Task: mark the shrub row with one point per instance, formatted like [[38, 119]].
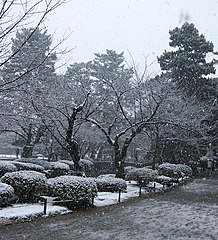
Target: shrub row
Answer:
[[51, 169], [166, 173], [26, 185]]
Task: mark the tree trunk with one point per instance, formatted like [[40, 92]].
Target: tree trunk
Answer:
[[72, 145], [119, 165], [74, 151], [27, 151], [119, 160], [28, 147]]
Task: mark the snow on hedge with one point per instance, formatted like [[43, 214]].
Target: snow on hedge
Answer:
[[108, 183], [6, 194], [6, 167], [174, 171], [88, 167], [77, 189], [26, 184], [57, 169], [69, 163], [37, 161], [163, 180], [28, 166], [59, 165], [128, 168], [186, 170], [141, 175]]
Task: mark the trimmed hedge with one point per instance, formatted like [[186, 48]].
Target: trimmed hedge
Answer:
[[28, 166], [69, 163], [186, 170], [108, 183], [6, 166], [7, 195], [141, 175], [164, 180], [37, 161], [80, 191], [88, 167], [57, 169], [174, 171], [26, 184]]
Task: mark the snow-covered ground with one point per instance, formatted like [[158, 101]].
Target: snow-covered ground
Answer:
[[28, 211], [186, 212], [7, 156]]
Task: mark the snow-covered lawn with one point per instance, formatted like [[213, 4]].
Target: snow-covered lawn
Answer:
[[28, 211]]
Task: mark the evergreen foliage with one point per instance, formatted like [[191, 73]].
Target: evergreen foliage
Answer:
[[187, 65], [26, 184]]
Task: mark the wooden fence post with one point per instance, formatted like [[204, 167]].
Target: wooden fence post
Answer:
[[45, 206], [119, 195], [140, 190]]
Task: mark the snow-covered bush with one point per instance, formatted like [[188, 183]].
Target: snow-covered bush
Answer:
[[186, 170], [127, 169], [174, 171], [57, 169], [37, 161], [7, 195], [107, 175], [77, 189], [141, 175], [69, 163], [26, 184], [88, 167], [28, 166], [169, 170], [164, 180], [6, 167], [108, 183]]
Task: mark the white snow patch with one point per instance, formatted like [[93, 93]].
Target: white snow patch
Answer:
[[23, 211]]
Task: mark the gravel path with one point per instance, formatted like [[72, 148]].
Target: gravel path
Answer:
[[186, 212]]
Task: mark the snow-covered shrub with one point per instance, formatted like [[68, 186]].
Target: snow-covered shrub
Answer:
[[108, 183], [77, 189], [26, 184], [164, 180], [7, 195], [107, 175], [6, 167], [169, 170], [174, 171], [186, 170], [28, 166], [141, 175], [88, 167], [57, 169], [69, 163], [37, 161], [127, 169]]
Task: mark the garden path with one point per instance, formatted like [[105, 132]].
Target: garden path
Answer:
[[185, 212]]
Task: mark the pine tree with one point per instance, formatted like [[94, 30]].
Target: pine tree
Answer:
[[30, 74], [187, 65], [33, 65]]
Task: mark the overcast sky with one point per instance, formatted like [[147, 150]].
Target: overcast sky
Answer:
[[140, 27]]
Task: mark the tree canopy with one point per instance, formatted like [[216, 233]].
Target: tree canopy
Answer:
[[188, 65]]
